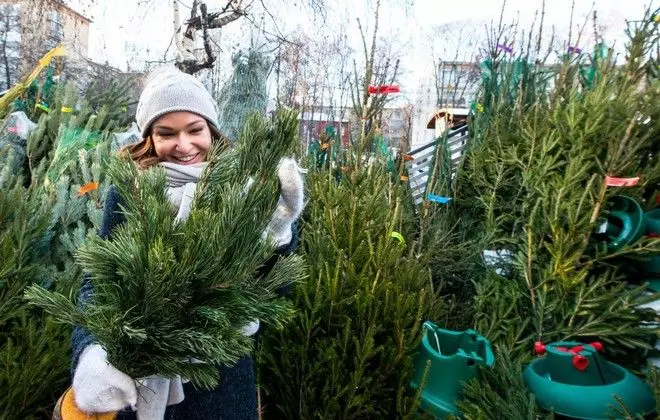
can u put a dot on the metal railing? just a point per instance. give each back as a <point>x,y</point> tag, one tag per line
<point>421,161</point>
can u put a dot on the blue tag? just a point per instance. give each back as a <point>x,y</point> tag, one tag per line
<point>438,199</point>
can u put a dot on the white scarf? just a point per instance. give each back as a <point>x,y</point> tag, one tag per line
<point>181,184</point>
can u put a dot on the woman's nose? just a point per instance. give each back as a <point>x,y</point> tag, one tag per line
<point>183,143</point>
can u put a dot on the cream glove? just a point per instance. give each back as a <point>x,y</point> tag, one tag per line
<point>98,386</point>
<point>290,204</point>
<point>251,328</point>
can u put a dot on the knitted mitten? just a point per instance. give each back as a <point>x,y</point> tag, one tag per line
<point>98,386</point>
<point>290,203</point>
<point>250,328</point>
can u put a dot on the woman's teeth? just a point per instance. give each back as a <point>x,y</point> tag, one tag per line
<point>187,158</point>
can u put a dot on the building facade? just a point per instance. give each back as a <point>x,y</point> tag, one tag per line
<point>456,84</point>
<point>29,28</point>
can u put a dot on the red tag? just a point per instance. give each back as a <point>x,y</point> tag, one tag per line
<point>621,182</point>
<point>383,89</point>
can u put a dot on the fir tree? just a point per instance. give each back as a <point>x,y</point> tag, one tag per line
<point>34,352</point>
<point>40,230</point>
<point>244,93</point>
<point>533,183</point>
<point>347,352</point>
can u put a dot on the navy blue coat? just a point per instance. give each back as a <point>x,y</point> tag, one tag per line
<point>235,397</point>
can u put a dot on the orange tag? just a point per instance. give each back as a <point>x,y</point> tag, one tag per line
<point>404,178</point>
<point>408,158</point>
<point>87,188</point>
<point>325,146</point>
<point>621,182</point>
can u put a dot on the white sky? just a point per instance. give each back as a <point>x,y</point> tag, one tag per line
<point>122,25</point>
<point>126,33</point>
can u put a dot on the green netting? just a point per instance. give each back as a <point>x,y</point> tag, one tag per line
<point>589,73</point>
<point>14,132</point>
<point>244,93</point>
<point>324,150</point>
<point>69,144</point>
<point>39,96</point>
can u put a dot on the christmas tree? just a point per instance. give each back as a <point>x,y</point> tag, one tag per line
<point>163,298</point>
<point>359,316</point>
<point>536,185</point>
<point>43,221</point>
<point>347,353</point>
<point>244,93</point>
<point>34,351</point>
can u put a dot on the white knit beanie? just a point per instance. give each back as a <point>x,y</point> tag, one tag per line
<point>170,90</point>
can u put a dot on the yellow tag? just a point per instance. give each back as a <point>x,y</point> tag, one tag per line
<point>398,237</point>
<point>66,109</point>
<point>657,18</point>
<point>480,108</point>
<point>42,107</point>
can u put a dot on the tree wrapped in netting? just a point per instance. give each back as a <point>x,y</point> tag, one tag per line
<point>35,350</point>
<point>43,221</point>
<point>244,93</point>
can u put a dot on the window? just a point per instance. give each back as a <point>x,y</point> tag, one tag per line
<point>55,26</point>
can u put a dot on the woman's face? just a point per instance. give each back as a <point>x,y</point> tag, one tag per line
<point>181,137</point>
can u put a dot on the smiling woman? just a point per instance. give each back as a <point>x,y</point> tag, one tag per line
<point>178,121</point>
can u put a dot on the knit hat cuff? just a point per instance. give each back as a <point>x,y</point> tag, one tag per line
<point>177,108</point>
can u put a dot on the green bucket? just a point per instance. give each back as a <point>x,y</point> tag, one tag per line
<point>453,358</point>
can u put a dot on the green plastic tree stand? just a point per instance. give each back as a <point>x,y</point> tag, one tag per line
<point>625,222</point>
<point>452,357</point>
<point>575,381</point>
<point>652,228</point>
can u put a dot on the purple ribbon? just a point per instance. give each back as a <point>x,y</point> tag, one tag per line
<point>574,50</point>
<point>505,48</point>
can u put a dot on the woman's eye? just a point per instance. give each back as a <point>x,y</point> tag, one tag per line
<point>165,135</point>
<point>196,130</point>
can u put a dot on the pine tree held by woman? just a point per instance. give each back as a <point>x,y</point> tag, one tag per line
<point>170,297</point>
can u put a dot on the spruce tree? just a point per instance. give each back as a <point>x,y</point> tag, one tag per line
<point>244,93</point>
<point>43,221</point>
<point>533,183</point>
<point>347,353</point>
<point>34,351</point>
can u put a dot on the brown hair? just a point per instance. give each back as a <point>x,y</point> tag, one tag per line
<point>144,152</point>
